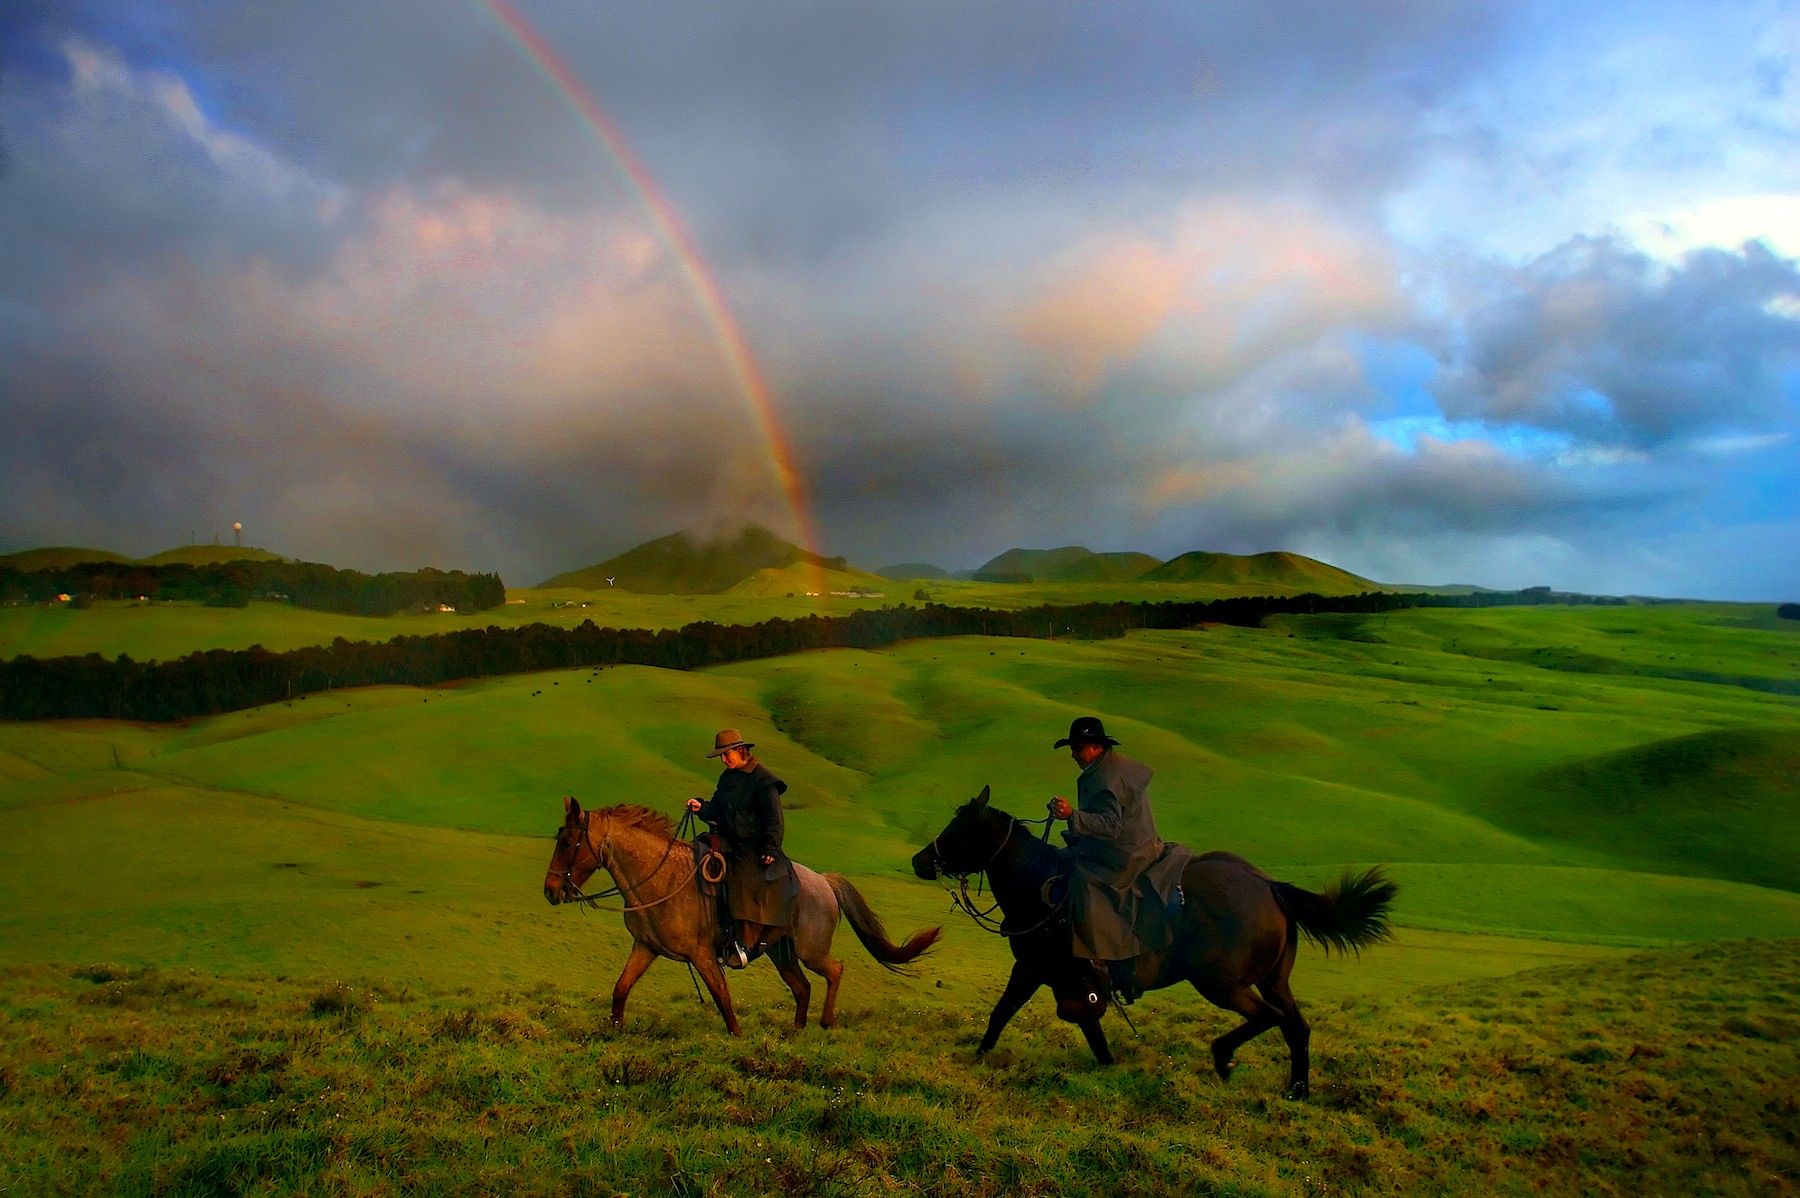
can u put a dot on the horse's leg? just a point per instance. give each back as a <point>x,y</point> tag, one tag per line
<point>832,970</point>
<point>1096,1038</point>
<point>640,959</point>
<point>787,964</point>
<point>714,976</point>
<point>1259,1017</point>
<point>1023,983</point>
<point>1294,1028</point>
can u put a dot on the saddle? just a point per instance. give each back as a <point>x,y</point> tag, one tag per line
<point>1161,902</point>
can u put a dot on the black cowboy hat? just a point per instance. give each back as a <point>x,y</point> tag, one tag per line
<point>1086,730</point>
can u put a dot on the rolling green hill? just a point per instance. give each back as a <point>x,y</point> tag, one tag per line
<point>188,555</point>
<point>906,571</point>
<point>208,555</point>
<point>686,563</point>
<point>801,579</point>
<point>1281,569</point>
<point>1071,563</point>
<point>226,946</point>
<point>57,558</point>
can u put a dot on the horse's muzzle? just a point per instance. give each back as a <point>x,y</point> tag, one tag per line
<point>553,891</point>
<point>925,864</point>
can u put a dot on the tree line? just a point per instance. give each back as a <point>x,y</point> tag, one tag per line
<point>219,680</point>
<point>235,584</point>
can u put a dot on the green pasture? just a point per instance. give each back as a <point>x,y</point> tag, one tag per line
<point>164,631</point>
<point>1509,798</point>
<point>321,923</point>
<point>1665,1073</point>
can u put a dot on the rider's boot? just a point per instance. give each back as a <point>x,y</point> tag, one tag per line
<point>731,950</point>
<point>750,937</point>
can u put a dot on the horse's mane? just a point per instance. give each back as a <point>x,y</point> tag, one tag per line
<point>632,815</point>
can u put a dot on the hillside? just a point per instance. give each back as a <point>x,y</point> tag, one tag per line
<point>905,571</point>
<point>61,558</point>
<point>209,555</point>
<point>1280,569</point>
<point>1717,802</point>
<point>56,558</point>
<point>802,578</point>
<point>686,563</point>
<point>1071,563</point>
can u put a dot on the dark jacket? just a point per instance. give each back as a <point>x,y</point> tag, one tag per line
<point>745,810</point>
<point>1112,840</point>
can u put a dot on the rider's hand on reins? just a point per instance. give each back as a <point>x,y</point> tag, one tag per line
<point>693,804</point>
<point>1059,808</point>
<point>768,858</point>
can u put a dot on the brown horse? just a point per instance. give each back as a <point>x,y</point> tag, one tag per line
<point>667,915</point>
<point>1235,939</point>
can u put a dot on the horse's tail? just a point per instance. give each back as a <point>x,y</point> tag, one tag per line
<point>1350,914</point>
<point>867,926</point>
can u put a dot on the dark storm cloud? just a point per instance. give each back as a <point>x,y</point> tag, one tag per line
<point>1599,341</point>
<point>1019,274</point>
<point>782,129</point>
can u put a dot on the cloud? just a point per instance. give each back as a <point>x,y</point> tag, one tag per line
<point>1598,340</point>
<point>1147,276</point>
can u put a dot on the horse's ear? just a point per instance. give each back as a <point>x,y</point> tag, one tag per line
<point>981,800</point>
<point>570,806</point>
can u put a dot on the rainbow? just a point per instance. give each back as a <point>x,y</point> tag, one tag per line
<point>680,245</point>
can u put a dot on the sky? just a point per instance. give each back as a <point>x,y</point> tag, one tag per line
<point>1495,293</point>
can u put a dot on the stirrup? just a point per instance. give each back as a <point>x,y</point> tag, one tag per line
<point>734,957</point>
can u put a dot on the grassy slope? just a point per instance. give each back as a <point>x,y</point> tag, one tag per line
<point>57,558</point>
<point>1072,563</point>
<point>1664,1073</point>
<point>398,838</point>
<point>1285,569</point>
<point>207,555</point>
<point>165,631</point>
<point>1304,754</point>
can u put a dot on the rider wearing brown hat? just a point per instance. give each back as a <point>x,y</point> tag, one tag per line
<point>745,812</point>
<point>1112,840</point>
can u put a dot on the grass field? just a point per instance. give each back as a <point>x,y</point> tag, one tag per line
<point>1554,789</point>
<point>163,631</point>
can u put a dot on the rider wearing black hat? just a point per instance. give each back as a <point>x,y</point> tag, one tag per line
<point>1112,840</point>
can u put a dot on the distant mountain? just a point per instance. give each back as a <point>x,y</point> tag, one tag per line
<point>210,555</point>
<point>1071,563</point>
<point>686,563</point>
<point>61,558</point>
<point>1261,569</point>
<point>907,571</point>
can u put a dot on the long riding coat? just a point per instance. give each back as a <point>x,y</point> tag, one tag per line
<point>1112,841</point>
<point>745,810</point>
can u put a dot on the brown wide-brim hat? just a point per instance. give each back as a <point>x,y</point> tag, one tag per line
<point>1086,730</point>
<point>729,738</point>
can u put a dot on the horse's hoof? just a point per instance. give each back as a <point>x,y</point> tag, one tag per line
<point>1297,1091</point>
<point>1222,1063</point>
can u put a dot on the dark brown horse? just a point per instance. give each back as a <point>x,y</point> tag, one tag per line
<point>1235,939</point>
<point>667,915</point>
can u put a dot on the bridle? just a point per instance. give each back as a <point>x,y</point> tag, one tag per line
<point>984,918</point>
<point>592,901</point>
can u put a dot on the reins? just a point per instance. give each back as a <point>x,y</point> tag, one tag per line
<point>591,902</point>
<point>984,918</point>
